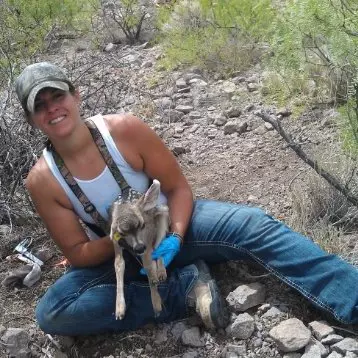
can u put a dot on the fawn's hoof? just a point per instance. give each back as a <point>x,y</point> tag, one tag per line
<point>120,312</point>
<point>157,310</point>
<point>157,314</point>
<point>162,277</point>
<point>154,282</point>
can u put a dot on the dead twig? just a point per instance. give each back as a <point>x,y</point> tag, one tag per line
<point>345,330</point>
<point>131,336</point>
<point>7,344</point>
<point>332,180</point>
<point>53,341</point>
<point>18,317</point>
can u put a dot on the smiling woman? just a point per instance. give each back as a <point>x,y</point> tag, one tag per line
<point>83,172</point>
<point>49,98</point>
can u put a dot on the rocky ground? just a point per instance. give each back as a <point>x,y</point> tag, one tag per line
<point>227,153</point>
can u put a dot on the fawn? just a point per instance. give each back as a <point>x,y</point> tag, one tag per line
<point>139,226</point>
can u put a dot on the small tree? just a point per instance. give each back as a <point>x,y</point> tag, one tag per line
<point>129,15</point>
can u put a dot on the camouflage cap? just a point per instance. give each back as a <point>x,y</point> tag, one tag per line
<point>37,76</point>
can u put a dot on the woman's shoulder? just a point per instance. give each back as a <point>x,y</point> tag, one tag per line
<point>43,186</point>
<point>122,124</point>
<point>125,126</point>
<point>39,175</point>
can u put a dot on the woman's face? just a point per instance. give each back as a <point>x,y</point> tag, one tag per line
<point>56,112</point>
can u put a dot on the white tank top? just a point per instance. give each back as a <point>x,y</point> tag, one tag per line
<point>103,189</point>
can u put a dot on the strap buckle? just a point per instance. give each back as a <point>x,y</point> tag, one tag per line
<point>89,208</point>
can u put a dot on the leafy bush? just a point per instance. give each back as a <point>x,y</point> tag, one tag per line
<point>318,39</point>
<point>220,36</point>
<point>26,26</point>
<point>313,43</point>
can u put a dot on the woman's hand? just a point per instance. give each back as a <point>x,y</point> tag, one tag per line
<point>166,250</point>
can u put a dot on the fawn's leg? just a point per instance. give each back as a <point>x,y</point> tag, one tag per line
<point>150,266</point>
<point>161,271</point>
<point>119,266</point>
<point>162,223</point>
<point>151,269</point>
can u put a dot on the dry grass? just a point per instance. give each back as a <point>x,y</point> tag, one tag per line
<point>322,213</point>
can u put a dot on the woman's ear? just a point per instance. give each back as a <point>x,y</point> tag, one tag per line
<point>77,95</point>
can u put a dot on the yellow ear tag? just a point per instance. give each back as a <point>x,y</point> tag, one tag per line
<point>116,236</point>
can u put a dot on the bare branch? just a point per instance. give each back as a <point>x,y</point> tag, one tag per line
<point>139,26</point>
<point>313,164</point>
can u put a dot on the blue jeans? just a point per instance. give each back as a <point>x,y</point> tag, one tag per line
<point>82,301</point>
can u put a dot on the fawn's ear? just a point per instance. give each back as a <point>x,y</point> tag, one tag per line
<point>151,196</point>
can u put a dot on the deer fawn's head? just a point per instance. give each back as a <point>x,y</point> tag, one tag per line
<point>134,223</point>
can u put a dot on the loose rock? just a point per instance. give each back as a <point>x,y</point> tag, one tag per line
<point>242,327</point>
<point>230,128</point>
<point>16,341</point>
<point>183,108</point>
<point>290,335</point>
<point>346,345</point>
<point>246,296</point>
<point>331,339</point>
<point>320,329</point>
<point>335,355</point>
<point>191,337</point>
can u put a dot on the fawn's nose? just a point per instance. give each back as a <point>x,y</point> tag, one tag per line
<point>139,249</point>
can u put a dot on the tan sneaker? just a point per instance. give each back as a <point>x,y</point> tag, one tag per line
<point>209,304</point>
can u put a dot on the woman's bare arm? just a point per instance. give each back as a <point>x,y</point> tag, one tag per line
<point>62,223</point>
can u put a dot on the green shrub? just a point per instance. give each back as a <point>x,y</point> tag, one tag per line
<point>252,18</point>
<point>318,38</point>
<point>26,26</point>
<point>221,36</point>
<point>313,43</point>
<point>348,124</point>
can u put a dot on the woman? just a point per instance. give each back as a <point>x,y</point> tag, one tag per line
<point>82,301</point>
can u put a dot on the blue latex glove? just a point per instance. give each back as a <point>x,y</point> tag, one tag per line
<point>167,250</point>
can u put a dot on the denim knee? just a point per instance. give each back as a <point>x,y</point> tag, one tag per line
<point>247,220</point>
<point>51,314</point>
<point>251,212</point>
<point>43,316</point>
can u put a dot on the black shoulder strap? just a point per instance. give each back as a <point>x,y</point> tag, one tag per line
<point>101,145</point>
<point>88,207</point>
<point>96,229</point>
<point>127,193</point>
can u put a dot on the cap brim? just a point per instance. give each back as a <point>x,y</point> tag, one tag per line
<point>52,84</point>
